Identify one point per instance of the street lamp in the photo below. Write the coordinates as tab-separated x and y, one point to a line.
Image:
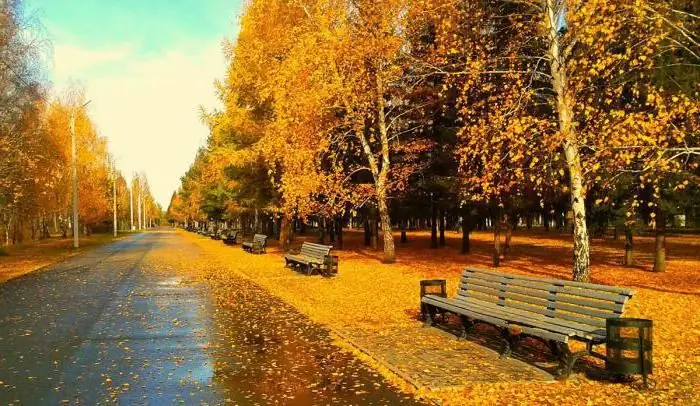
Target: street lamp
114	198
74	165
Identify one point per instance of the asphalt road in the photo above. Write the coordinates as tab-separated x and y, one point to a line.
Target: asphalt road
126	324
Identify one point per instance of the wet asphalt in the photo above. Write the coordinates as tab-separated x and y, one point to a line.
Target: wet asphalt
125	324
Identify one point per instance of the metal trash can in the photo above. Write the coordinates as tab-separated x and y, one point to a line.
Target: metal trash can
432	287
629	347
330	262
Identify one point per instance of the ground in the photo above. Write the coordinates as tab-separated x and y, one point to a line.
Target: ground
146	320
370	309
28	257
375	300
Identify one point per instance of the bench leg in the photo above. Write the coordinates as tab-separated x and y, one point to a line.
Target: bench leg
568	359
510	342
467	327
429	315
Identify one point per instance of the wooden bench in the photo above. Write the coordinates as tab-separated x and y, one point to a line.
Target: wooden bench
257	246
231	237
551	310
311	256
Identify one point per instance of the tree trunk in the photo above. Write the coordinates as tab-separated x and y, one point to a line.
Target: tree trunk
581	267
7	231
322	230
285	234
373	230
660	243
276	229
629	246
389	248
466	229
330	224
368	232
256	222
466	247
339	225
509	235
404	237
496	244
433	225
442	227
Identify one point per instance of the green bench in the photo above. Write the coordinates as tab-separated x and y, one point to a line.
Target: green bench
551	310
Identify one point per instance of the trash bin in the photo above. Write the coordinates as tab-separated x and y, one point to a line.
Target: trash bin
432	287
330	262
629	347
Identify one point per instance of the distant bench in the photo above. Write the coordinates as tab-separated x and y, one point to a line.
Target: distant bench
311	256
257	246
551	310
230	238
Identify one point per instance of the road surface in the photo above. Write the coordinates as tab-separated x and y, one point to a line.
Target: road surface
141	322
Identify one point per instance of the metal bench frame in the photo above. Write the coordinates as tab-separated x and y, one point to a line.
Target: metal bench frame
551	310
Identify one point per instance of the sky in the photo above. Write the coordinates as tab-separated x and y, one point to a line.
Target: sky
147	66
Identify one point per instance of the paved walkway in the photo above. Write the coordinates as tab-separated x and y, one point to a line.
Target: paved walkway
433	358
137	322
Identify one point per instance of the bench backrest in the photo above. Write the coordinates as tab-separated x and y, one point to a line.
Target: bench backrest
232	234
319	251
259	240
585	303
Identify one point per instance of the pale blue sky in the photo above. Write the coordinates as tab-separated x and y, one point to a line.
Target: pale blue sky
146	65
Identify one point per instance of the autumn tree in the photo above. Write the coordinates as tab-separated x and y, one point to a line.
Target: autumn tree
576	98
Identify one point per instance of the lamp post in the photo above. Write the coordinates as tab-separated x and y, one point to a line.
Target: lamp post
114	198
74	165
131	204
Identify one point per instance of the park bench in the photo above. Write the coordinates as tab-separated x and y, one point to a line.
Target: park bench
551	310
230	238
257	246
311	256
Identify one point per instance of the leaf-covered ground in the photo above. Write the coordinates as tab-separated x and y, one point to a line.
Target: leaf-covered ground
370	295
28	257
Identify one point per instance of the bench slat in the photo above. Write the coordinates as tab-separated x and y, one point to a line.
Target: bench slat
497	290
315	251
597	317
561	282
298	259
583	328
587	293
493	318
517	317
